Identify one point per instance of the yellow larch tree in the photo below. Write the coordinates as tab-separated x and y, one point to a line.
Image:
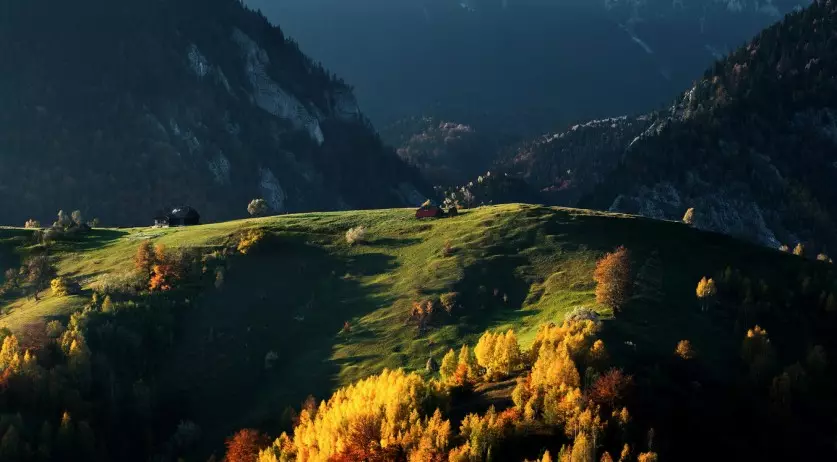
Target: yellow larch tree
10	354
583	450
467	369
706	291
499	354
447	370
613	279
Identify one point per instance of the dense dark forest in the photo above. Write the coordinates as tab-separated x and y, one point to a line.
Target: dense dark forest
123	108
756	128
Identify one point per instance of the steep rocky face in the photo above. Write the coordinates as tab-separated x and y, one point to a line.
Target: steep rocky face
513	69
120	108
750	146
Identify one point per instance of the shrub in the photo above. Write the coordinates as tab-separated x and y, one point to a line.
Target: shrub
356	235
107	305
449	301
122	283
257	207
422	312
32	224
249	240
54	329
582	313
62	287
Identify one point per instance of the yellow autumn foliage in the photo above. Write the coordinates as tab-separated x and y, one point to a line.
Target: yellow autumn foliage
250	240
482	433
499	354
370	419
578	338
706	291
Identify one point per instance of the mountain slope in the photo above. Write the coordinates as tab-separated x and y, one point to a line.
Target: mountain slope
751	145
119	109
527	64
333	313
568	165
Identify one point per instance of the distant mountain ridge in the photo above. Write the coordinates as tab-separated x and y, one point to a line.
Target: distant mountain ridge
475	61
751	145
120	108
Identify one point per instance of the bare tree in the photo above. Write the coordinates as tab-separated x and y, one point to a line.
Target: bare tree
39	273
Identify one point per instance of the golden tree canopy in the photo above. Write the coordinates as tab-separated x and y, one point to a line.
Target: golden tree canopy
613	278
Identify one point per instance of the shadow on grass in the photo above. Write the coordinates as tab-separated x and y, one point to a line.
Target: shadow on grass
95	239
491	292
370	263
291	300
395	243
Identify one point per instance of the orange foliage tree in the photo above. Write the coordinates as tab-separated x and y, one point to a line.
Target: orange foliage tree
422	312
144	258
613	278
684	350
245	445
610	387
165	271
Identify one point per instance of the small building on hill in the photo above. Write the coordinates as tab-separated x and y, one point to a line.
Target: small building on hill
428	210
179	216
184	216
161	219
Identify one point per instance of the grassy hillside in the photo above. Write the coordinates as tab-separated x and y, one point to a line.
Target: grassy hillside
513	266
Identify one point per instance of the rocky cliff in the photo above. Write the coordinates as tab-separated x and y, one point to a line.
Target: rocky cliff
751	145
121	108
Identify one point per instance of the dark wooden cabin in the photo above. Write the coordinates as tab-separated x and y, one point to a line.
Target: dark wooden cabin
184	216
179	216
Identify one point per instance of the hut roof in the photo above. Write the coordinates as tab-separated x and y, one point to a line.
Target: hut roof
184	212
